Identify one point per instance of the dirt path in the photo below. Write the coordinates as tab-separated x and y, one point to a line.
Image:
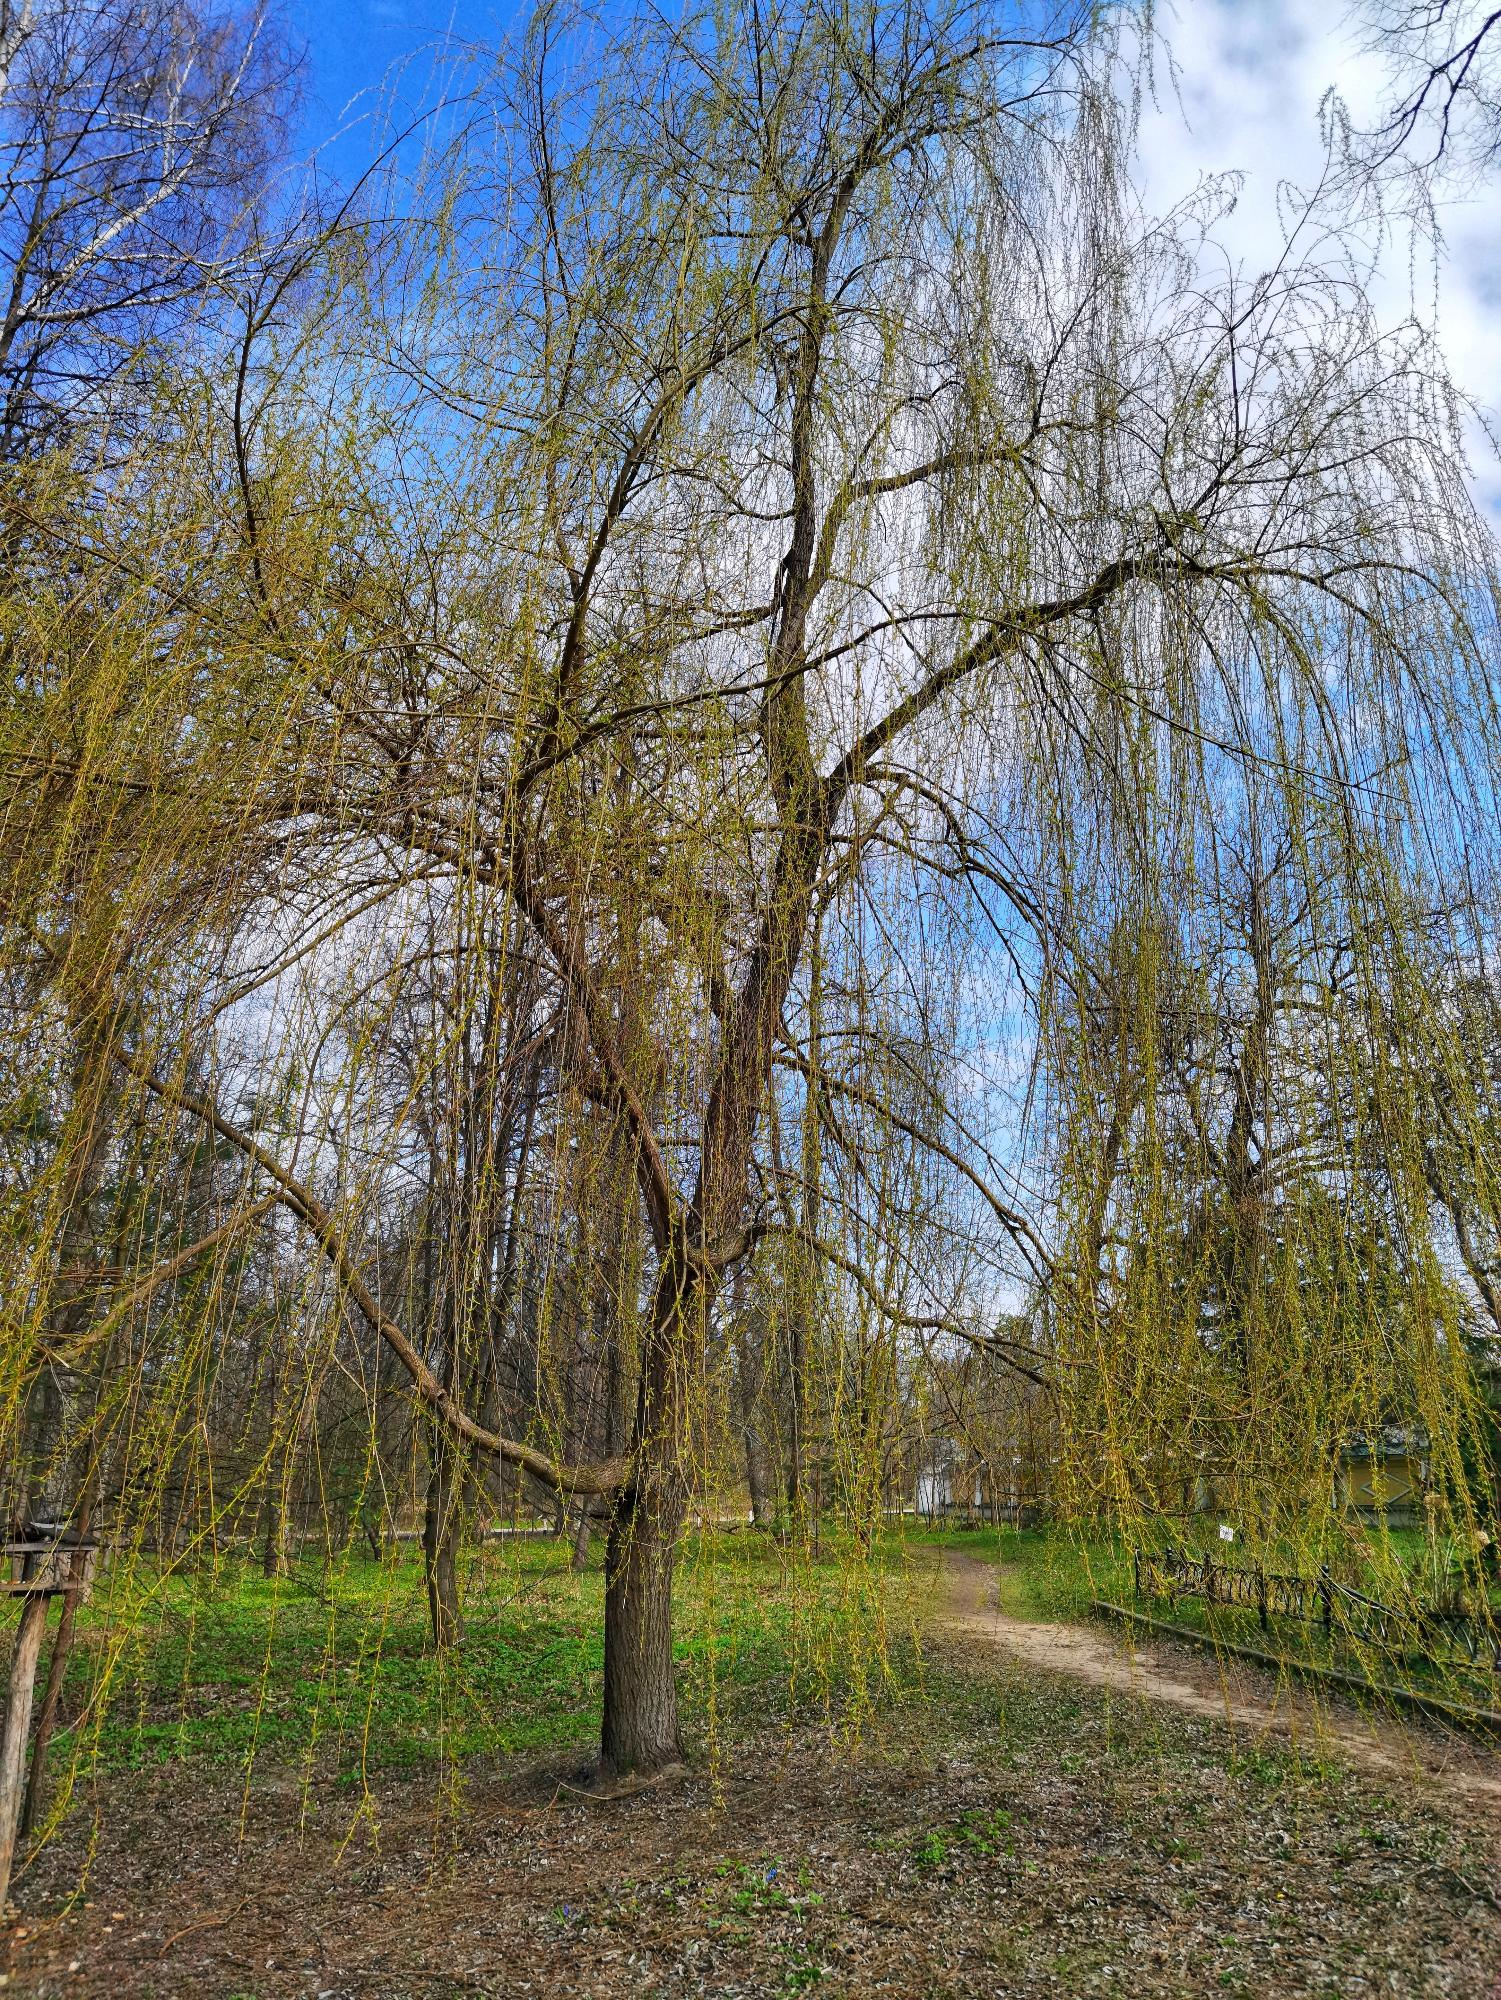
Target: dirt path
1226	1690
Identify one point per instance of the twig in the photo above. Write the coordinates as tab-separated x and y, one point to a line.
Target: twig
1444	1871
201	1924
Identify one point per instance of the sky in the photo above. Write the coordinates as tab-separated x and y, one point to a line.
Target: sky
1250	76
355	47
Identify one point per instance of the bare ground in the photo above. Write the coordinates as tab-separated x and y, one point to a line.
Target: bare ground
1033	1830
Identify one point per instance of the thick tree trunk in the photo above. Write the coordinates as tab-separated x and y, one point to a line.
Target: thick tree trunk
639	1735
580	1557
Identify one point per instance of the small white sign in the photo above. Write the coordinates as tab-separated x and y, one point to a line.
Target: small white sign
1226	1534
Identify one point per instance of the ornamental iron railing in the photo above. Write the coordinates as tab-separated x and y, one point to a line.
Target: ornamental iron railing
1456	1631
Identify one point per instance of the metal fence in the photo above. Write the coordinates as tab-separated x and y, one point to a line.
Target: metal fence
1454	1632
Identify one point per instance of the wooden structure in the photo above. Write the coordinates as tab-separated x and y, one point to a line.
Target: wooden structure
46	1562
1384	1472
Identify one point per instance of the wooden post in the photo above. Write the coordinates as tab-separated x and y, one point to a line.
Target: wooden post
57	1666
17	1728
36	1565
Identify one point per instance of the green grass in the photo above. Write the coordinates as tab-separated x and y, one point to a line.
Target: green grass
230	1666
331	1669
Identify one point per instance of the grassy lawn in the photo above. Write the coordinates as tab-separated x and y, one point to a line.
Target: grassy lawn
330	1669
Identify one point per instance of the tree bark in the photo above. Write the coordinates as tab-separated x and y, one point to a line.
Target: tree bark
440	1542
758	1475
758	1472
796	1383
639	1735
274	1532
751	1357
17	1727
580	1556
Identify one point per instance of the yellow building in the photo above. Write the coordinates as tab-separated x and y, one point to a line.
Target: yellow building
1385	1472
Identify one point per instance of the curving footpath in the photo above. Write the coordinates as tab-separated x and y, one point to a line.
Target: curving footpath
970	1619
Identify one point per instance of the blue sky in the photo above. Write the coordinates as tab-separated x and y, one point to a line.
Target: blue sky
354	46
1250	77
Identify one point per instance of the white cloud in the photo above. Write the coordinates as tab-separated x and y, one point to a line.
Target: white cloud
1251	75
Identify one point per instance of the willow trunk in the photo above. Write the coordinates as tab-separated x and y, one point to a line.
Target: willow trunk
639	1735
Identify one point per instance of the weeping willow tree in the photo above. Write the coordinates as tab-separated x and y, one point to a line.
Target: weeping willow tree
767	731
